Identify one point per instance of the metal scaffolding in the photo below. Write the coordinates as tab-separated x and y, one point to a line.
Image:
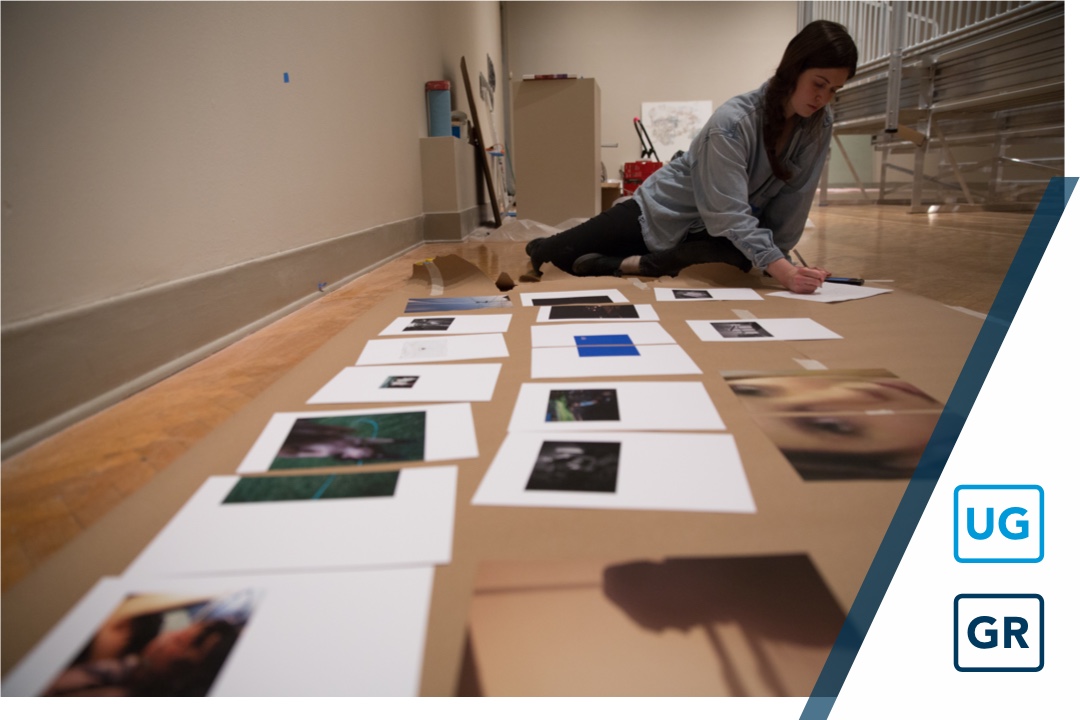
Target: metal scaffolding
978	86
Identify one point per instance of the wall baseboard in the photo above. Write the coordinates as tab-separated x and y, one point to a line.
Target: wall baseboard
451	226
67	366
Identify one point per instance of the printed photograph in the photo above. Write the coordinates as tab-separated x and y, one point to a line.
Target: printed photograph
607	350
448	304
594	312
400	381
576	466
352	440
828	391
851	446
579	300
691	294
863	424
740	329
337	486
425	349
584	340
428	324
582	405
158	645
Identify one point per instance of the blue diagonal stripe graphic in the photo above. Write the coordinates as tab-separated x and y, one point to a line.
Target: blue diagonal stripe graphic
953	417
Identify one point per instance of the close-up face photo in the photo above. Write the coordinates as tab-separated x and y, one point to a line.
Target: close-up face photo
903	433
811	393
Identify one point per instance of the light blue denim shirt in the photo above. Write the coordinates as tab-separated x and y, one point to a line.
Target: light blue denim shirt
724	184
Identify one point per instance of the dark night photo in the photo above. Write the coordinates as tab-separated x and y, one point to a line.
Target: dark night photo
594	312
576	466
581	300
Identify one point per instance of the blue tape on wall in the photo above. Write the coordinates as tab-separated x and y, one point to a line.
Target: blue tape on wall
953	417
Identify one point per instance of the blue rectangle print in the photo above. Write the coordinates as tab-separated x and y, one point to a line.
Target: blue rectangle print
998	523
585	340
606	350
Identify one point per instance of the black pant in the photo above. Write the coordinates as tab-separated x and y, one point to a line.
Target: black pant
616	232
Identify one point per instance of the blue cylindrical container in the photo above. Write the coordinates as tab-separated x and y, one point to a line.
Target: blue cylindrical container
438	106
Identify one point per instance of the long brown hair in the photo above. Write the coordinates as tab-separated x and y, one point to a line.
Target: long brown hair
821	44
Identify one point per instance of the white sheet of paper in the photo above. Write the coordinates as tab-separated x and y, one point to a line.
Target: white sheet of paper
563	334
588	297
710	475
641	406
777	329
433	349
449	433
414	526
670	294
834	292
465	382
644	312
311	634
458	325
564	362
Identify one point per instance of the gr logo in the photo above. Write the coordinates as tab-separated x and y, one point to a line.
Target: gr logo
998	524
998	633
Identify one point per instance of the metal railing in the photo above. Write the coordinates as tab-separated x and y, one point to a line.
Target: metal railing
934	76
925	21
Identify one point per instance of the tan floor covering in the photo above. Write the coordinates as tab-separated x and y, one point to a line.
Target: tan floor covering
54	490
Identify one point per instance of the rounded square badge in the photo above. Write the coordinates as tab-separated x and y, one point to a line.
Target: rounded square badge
998	633
998	524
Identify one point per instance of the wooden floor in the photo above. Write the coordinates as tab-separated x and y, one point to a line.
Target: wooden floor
54	490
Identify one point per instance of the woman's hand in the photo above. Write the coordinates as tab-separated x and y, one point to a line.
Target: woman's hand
802	280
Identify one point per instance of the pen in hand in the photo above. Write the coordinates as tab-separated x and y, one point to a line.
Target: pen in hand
831	278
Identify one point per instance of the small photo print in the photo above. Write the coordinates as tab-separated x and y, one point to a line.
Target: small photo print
312	487
582	405
352	440
428	324
425	349
576	466
594	312
691	294
158	645
740	329
400	381
447	304
579	300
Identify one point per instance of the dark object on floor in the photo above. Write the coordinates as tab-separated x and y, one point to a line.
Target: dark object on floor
504	282
595	264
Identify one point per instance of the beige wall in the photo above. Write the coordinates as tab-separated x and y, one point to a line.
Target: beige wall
657	52
649	52
149	142
164	188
